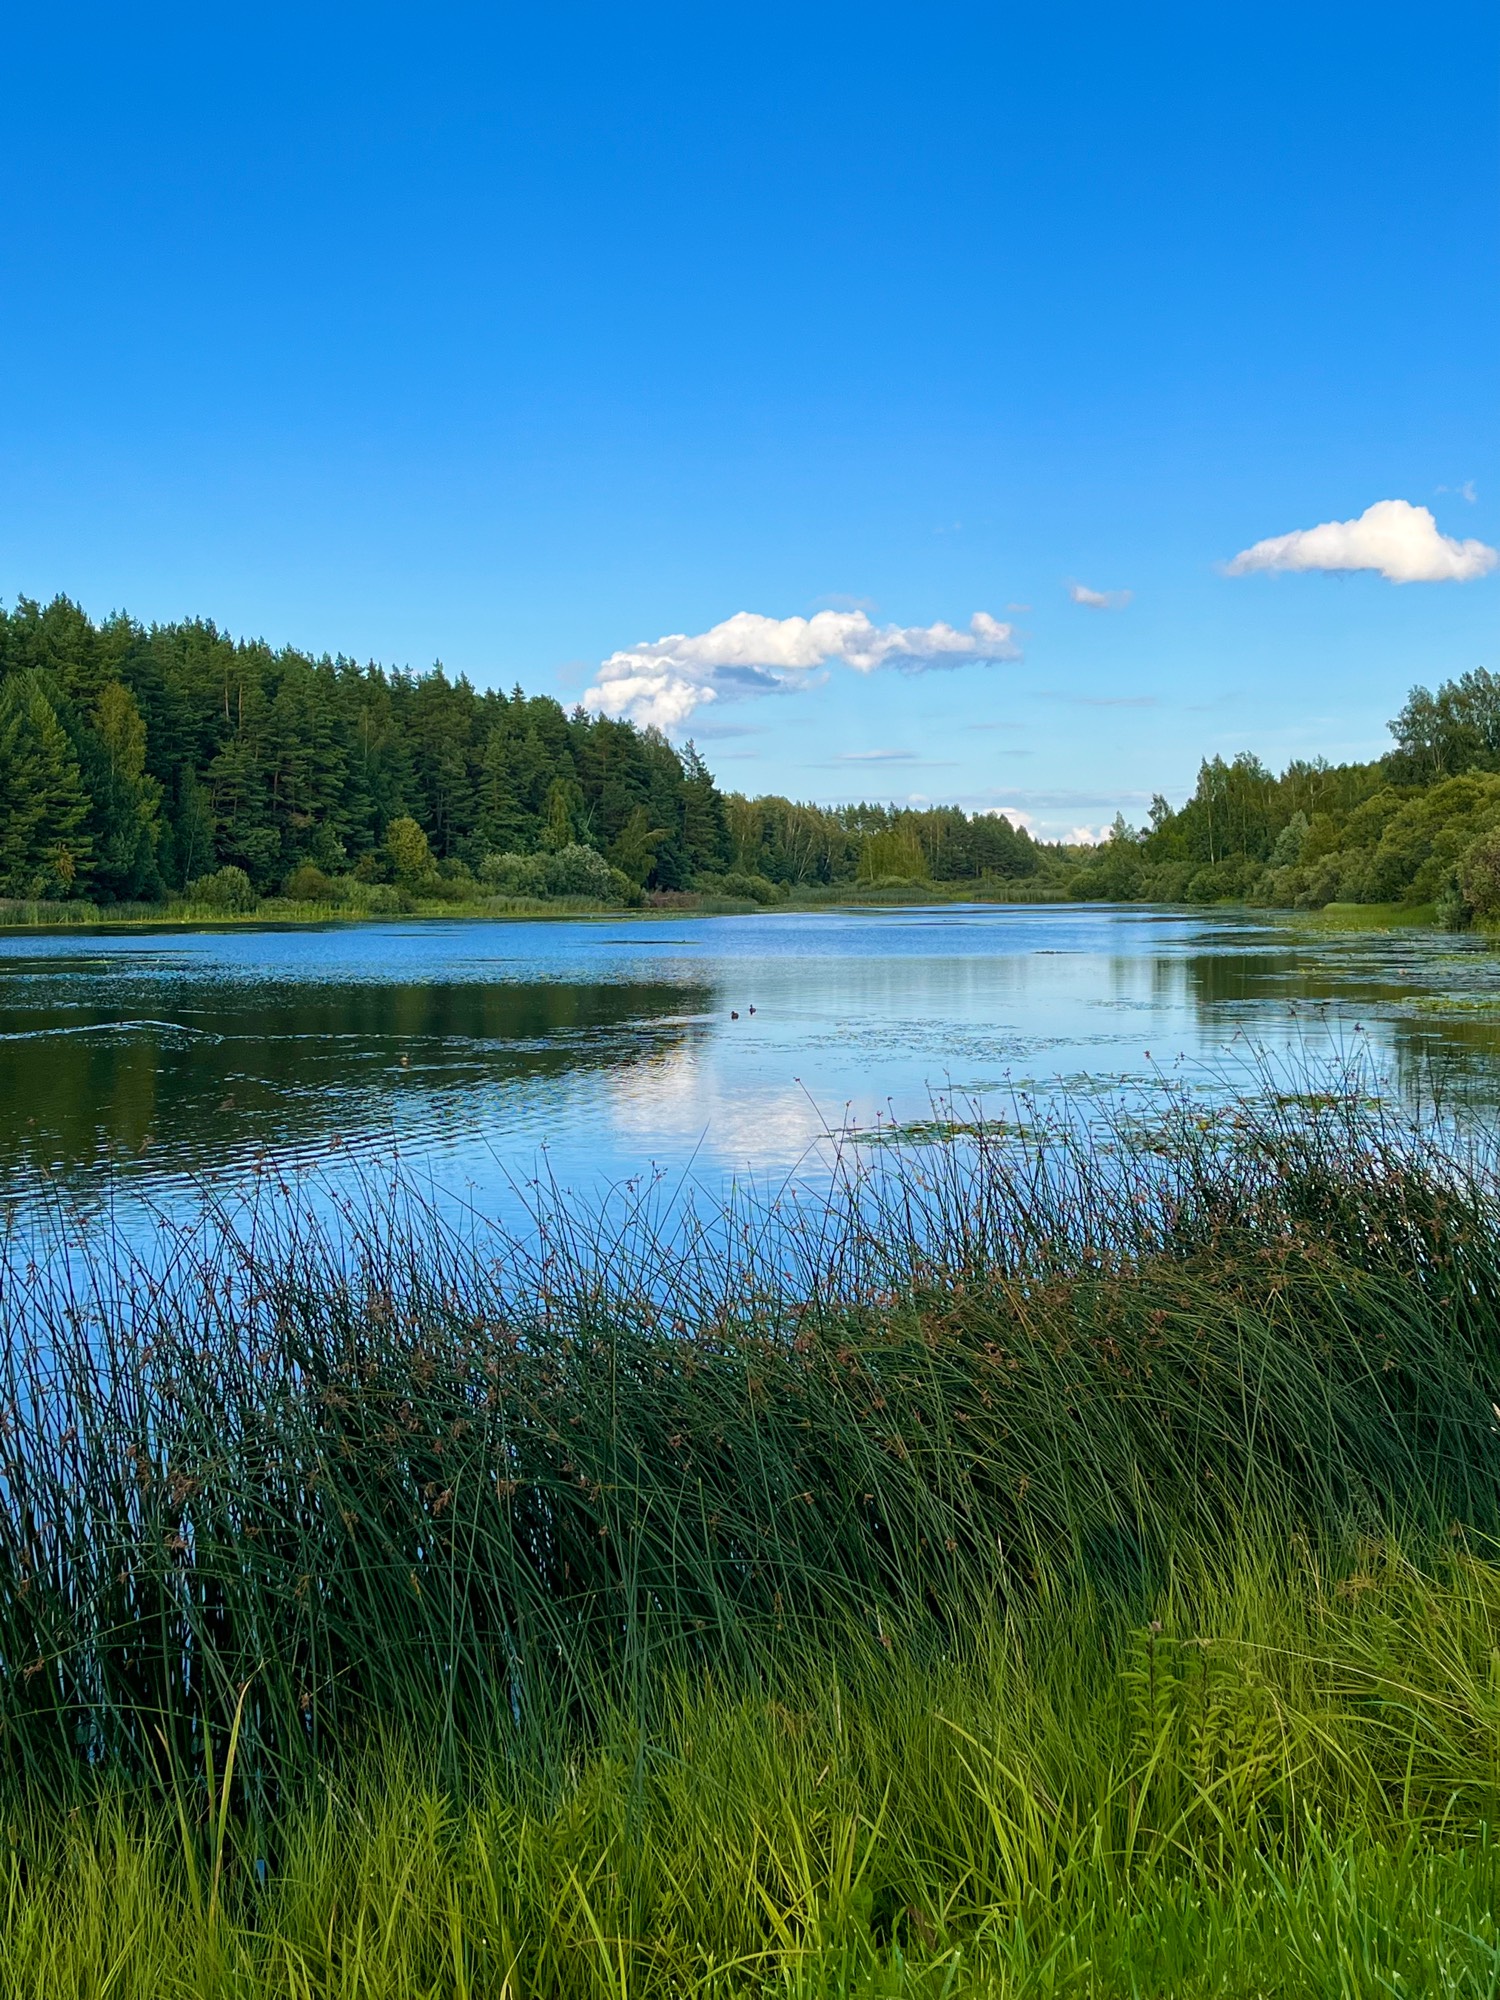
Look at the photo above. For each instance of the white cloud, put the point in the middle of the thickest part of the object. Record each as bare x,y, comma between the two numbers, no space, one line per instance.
664,682
1099,600
1024,822
1402,542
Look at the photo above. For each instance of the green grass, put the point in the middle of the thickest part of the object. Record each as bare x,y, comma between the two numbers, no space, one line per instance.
180,913
1282,1782
1046,1564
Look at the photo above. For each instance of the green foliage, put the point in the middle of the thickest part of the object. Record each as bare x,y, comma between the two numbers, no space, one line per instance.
1416,828
229,889
413,1473
893,851
308,884
573,871
805,846
136,760
1270,1777
1479,874
407,850
45,845
741,887
988,1586
1445,734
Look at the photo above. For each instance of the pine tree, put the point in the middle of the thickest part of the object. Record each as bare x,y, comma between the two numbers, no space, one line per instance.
125,800
45,849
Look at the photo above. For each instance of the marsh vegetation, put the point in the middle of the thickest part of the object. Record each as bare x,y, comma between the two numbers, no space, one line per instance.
1051,1562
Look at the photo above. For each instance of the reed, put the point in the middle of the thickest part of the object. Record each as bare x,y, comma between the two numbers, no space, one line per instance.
377,1464
1059,1559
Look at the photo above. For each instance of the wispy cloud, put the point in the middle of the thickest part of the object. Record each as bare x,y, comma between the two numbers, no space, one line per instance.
664,682
1074,801
1399,541
1099,600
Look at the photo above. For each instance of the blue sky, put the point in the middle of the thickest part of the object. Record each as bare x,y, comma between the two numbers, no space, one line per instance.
520,338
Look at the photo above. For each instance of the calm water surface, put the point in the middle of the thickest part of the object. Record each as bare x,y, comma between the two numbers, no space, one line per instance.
141,1064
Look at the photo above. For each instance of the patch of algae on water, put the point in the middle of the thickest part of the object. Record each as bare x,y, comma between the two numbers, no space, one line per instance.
1455,1003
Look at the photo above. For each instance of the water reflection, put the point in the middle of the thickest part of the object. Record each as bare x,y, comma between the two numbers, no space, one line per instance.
714,1045
240,1068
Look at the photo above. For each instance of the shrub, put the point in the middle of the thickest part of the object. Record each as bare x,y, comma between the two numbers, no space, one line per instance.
308,884
1479,875
514,874
579,871
573,871
1222,881
750,888
227,889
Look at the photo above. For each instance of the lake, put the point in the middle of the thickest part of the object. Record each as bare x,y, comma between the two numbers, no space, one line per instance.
139,1065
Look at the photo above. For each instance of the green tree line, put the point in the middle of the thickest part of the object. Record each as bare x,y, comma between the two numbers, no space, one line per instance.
1419,826
141,762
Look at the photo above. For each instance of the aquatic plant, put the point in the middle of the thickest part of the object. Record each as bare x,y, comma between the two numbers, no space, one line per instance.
383,1464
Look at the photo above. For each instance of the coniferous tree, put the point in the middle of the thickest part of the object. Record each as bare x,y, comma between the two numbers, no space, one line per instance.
45,847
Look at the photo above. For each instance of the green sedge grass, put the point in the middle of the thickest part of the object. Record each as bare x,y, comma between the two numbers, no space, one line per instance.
1275,1784
1057,1561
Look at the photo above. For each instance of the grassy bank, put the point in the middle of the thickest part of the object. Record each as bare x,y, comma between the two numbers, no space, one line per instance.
1280,1782
1043,1566
184,913
677,903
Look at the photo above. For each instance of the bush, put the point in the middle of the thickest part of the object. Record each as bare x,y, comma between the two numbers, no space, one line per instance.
228,889
308,884
1223,881
579,871
514,874
749,888
573,871
370,899
1479,875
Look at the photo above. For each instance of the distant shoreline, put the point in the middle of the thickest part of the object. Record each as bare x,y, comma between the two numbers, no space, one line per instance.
279,914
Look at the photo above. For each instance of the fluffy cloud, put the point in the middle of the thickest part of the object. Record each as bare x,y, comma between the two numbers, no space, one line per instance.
666,681
1099,600
1402,542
